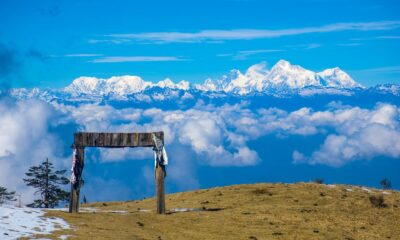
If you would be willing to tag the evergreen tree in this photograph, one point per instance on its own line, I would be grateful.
(47, 182)
(6, 195)
(386, 183)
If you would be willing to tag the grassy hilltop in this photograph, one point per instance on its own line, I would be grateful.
(257, 211)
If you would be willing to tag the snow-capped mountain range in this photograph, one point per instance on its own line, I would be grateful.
(283, 79)
(282, 76)
(122, 85)
(257, 78)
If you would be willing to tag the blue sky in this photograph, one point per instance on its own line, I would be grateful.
(49, 43)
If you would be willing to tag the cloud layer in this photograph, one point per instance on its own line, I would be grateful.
(219, 136)
(208, 135)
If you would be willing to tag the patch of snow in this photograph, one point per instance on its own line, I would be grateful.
(330, 185)
(63, 237)
(18, 222)
(144, 210)
(387, 193)
(91, 210)
(116, 211)
(366, 189)
(186, 209)
(349, 189)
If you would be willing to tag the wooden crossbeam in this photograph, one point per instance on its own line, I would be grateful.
(103, 139)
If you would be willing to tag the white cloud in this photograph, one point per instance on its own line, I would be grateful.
(369, 142)
(388, 37)
(26, 140)
(136, 59)
(120, 154)
(350, 44)
(202, 129)
(245, 34)
(307, 46)
(360, 135)
(242, 55)
(298, 157)
(386, 69)
(83, 55)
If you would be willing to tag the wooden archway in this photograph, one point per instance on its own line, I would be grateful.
(116, 140)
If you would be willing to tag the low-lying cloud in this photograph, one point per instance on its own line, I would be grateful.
(210, 135)
(219, 136)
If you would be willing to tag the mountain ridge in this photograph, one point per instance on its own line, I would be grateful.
(282, 80)
(257, 78)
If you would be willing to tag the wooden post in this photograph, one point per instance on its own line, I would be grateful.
(74, 200)
(75, 187)
(160, 175)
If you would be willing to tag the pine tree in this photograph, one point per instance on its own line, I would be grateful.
(386, 183)
(47, 181)
(6, 195)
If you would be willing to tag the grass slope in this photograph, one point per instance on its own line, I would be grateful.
(258, 211)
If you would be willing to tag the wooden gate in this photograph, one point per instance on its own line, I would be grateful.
(116, 140)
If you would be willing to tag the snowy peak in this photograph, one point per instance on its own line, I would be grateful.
(283, 64)
(121, 85)
(124, 85)
(221, 84)
(285, 75)
(168, 83)
(85, 85)
(335, 77)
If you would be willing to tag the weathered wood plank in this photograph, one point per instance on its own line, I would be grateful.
(102, 139)
(160, 190)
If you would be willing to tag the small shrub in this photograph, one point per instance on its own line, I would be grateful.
(385, 183)
(377, 201)
(319, 180)
(140, 224)
(261, 191)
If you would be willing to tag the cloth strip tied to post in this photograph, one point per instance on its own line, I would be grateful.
(73, 175)
(160, 154)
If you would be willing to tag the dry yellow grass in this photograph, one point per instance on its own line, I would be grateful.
(258, 211)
